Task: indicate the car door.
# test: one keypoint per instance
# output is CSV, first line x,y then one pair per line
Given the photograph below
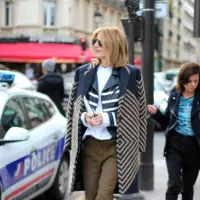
x,y
44,137
14,156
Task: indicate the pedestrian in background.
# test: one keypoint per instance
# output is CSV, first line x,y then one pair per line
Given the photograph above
x,y
3,67
106,120
52,84
182,120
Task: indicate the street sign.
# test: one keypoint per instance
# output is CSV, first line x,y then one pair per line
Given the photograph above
x,y
161,9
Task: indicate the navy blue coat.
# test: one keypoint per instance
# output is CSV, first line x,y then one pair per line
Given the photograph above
x,y
131,124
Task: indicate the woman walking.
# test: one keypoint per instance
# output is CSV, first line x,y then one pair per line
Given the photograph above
x,y
106,120
182,120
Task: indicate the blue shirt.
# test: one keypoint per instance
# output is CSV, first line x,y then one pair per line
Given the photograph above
x,y
184,116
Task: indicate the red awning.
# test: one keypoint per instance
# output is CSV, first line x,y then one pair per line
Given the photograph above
x,y
38,52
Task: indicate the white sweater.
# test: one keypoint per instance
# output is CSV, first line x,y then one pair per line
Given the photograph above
x,y
99,132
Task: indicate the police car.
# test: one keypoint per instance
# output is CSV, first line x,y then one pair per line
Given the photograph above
x,y
20,80
32,134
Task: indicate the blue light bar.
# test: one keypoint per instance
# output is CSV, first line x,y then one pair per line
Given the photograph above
x,y
7,78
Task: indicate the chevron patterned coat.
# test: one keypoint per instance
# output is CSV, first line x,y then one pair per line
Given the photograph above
x,y
131,125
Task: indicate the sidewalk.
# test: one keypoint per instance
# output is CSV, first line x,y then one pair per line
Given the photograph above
x,y
160,185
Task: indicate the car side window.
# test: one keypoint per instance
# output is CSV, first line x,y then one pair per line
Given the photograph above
x,y
48,107
13,115
44,109
35,112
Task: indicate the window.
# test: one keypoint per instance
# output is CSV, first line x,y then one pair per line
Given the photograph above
x,y
47,105
170,33
35,112
8,12
49,13
13,116
178,37
170,15
179,3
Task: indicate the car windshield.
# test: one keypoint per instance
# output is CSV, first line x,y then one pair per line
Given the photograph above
x,y
3,97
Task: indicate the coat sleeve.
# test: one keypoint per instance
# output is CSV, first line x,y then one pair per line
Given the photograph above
x,y
142,113
70,112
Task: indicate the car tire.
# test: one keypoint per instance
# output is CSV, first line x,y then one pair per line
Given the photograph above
x,y
59,187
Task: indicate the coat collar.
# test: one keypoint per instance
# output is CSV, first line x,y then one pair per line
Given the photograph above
x,y
124,79
89,76
176,98
195,105
112,81
119,76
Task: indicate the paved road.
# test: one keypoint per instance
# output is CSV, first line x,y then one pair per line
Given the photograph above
x,y
160,178
160,171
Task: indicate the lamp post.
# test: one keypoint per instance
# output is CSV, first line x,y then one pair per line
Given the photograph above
x,y
97,17
196,32
132,7
147,165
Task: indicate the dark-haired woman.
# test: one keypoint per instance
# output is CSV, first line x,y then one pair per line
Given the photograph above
x,y
182,120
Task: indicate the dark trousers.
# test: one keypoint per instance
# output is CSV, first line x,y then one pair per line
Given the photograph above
x,y
183,166
99,168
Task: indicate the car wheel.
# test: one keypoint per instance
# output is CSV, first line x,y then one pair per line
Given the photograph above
x,y
59,187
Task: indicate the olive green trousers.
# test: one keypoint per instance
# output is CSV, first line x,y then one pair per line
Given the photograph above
x,y
99,168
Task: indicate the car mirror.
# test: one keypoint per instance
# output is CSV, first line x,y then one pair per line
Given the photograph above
x,y
16,134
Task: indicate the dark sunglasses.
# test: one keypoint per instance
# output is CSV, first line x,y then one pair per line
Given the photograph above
x,y
94,42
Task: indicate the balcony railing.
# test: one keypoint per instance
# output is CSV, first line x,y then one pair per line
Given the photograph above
x,y
48,30
114,3
6,30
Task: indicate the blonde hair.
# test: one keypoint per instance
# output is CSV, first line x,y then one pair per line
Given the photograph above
x,y
114,44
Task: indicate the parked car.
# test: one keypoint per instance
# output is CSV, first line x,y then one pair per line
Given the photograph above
x,y
160,98
171,73
173,86
32,136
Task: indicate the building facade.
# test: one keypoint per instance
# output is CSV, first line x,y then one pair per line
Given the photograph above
x,y
68,20
178,42
56,21
65,19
